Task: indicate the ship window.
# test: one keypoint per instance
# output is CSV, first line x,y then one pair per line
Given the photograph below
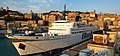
x,y
72,32
67,25
75,32
79,31
36,37
119,48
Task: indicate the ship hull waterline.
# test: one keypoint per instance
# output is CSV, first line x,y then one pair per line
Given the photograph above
x,y
43,44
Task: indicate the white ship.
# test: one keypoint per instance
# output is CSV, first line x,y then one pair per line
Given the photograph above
x,y
62,34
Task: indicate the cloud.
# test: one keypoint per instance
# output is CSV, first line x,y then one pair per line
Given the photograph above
x,y
51,1
14,2
4,3
37,1
34,8
40,1
13,7
27,5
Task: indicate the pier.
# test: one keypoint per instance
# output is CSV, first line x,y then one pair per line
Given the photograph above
x,y
71,50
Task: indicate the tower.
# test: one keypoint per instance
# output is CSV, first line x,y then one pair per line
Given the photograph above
x,y
94,11
7,8
64,13
31,12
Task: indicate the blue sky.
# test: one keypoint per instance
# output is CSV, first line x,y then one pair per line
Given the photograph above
x,y
40,6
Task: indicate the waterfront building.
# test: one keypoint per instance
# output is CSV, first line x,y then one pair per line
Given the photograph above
x,y
103,42
98,47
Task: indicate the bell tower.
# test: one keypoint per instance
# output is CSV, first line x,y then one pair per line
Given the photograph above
x,y
7,8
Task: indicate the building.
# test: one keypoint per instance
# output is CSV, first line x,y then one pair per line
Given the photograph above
x,y
45,16
115,23
98,23
1,8
71,16
108,18
2,23
109,41
103,42
118,23
55,12
21,23
117,44
100,17
31,15
99,47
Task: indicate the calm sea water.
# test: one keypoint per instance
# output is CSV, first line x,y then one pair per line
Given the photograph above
x,y
6,47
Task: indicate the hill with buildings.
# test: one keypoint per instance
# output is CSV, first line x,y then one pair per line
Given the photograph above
x,y
45,19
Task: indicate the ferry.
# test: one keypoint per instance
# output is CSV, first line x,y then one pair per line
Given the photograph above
x,y
62,34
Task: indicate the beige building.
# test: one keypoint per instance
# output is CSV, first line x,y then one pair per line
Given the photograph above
x,y
22,22
100,43
31,21
103,42
108,18
118,23
113,26
100,47
2,22
112,35
115,23
98,23
30,16
71,16
41,22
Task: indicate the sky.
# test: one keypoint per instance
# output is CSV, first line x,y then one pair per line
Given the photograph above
x,y
40,6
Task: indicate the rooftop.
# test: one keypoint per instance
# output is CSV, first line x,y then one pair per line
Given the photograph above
x,y
109,44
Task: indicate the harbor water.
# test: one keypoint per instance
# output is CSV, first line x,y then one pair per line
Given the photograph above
x,y
6,47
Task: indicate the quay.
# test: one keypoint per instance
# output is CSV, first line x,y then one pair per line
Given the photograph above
x,y
57,52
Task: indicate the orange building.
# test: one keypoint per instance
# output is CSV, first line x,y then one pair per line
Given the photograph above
x,y
30,16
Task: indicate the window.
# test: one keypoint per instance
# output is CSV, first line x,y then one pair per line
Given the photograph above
x,y
119,48
79,31
72,32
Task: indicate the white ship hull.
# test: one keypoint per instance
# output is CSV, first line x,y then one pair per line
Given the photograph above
x,y
43,44
62,34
